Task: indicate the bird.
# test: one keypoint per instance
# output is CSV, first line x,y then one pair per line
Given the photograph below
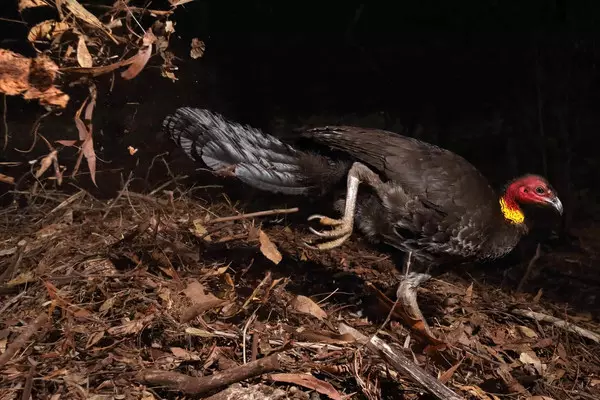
x,y
423,200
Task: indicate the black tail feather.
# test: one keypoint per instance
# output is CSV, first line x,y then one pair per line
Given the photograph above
x,y
258,159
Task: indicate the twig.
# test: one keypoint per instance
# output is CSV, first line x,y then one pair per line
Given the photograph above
x,y
402,364
70,200
26,395
18,257
121,192
254,214
22,339
5,124
530,266
561,323
197,385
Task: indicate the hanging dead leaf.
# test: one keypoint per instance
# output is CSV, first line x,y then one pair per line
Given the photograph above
x,y
310,382
142,57
169,27
47,30
66,143
132,150
305,305
85,134
7,179
175,3
31,78
268,248
197,48
23,4
84,58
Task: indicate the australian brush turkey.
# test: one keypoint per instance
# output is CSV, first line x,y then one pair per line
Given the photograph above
x,y
421,199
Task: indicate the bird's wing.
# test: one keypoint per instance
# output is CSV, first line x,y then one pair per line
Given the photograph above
x,y
443,179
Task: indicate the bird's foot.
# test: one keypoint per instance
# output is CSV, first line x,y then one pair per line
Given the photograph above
x,y
338,235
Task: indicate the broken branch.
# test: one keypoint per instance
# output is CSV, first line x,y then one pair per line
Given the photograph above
x,y
560,323
197,385
254,214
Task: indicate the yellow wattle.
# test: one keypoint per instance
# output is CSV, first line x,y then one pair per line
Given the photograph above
x,y
514,215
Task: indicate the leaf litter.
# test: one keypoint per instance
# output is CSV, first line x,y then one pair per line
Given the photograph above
x,y
126,299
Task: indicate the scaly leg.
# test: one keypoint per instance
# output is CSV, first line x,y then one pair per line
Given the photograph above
x,y
344,226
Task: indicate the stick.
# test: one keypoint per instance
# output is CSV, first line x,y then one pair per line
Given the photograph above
x,y
254,214
561,323
197,385
403,364
22,339
529,268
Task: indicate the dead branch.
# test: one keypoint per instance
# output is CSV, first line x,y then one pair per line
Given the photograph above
x,y
22,339
197,385
403,364
254,214
561,323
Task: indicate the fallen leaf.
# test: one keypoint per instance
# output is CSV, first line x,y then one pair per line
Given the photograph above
x,y
529,357
94,338
23,4
84,58
527,332
21,279
196,293
183,354
199,332
130,327
200,231
197,49
268,248
469,294
142,57
447,375
108,304
310,382
305,305
47,30
7,179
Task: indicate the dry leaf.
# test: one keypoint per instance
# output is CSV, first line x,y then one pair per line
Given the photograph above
x,y
199,332
268,248
529,357
108,304
18,78
7,179
84,58
305,305
23,4
169,27
197,49
132,150
94,338
175,3
85,134
183,354
447,375
310,382
46,163
21,279
131,327
141,58
200,231
47,30
527,332
469,294
84,15
540,398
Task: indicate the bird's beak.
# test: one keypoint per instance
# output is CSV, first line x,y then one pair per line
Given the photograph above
x,y
556,204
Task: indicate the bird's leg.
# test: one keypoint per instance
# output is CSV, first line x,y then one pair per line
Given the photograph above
x,y
406,268
344,226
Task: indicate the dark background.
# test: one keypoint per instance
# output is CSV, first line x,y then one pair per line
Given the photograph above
x,y
512,86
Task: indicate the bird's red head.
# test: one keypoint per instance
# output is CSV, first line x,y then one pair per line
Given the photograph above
x,y
528,189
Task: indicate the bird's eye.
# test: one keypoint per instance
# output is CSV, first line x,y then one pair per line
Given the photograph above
x,y
539,190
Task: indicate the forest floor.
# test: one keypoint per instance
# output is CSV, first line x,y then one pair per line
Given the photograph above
x,y
162,296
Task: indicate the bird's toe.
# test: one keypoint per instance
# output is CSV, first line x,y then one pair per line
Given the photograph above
x,y
325,220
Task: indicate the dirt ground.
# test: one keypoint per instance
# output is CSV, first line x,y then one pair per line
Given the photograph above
x,y
161,296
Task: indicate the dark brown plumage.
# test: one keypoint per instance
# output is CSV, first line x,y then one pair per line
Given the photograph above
x,y
424,199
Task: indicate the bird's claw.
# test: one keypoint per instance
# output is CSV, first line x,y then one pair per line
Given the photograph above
x,y
338,235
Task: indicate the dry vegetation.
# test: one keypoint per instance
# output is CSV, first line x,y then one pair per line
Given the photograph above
x,y
161,295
